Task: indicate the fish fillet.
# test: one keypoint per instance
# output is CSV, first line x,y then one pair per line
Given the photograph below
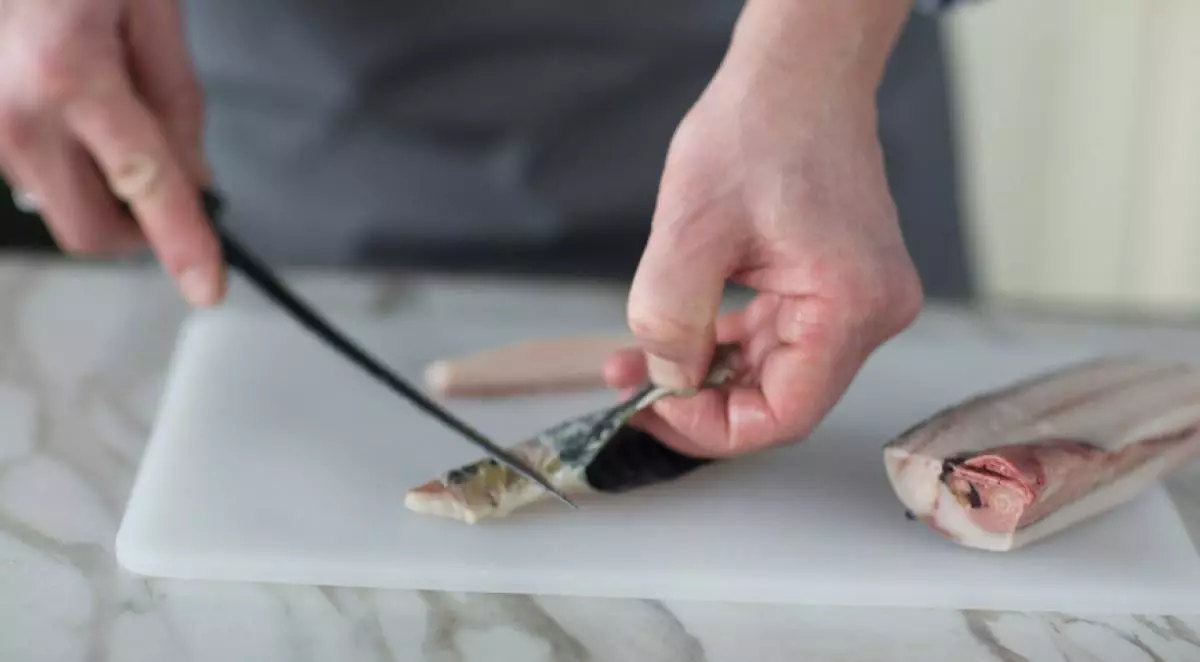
x,y
1013,466
595,452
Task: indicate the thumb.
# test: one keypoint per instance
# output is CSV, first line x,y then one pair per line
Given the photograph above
x,y
675,297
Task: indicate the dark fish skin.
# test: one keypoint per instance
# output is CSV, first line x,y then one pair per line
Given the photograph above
x,y
634,458
596,452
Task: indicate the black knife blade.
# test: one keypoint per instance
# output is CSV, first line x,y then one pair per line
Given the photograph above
x,y
239,257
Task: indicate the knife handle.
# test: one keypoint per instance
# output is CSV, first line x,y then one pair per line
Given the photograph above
x,y
533,366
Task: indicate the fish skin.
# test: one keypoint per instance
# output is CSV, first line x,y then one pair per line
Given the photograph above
x,y
1007,468
562,453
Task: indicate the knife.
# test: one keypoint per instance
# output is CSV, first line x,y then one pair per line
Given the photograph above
x,y
256,271
238,257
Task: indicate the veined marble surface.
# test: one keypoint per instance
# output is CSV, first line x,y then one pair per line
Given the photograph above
x,y
83,351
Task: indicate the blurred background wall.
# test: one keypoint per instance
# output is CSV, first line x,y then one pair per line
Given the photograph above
x,y
1079,129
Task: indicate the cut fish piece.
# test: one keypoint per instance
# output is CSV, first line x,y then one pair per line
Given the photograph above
x,y
596,452
1013,466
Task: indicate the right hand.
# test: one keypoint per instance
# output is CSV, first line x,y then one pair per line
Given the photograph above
x,y
775,179
99,103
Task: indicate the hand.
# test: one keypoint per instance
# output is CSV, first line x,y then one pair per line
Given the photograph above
x,y
775,180
98,99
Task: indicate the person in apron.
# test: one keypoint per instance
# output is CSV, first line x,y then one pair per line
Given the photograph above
x,y
505,136
673,144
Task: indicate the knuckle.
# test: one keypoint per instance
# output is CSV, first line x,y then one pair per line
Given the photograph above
x,y
856,285
52,75
883,298
666,334
907,299
54,64
135,176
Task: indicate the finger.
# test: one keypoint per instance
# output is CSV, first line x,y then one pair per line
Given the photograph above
x,y
140,168
758,348
763,307
674,425
732,326
627,367
80,214
715,423
675,297
801,377
819,354
162,71
757,336
78,209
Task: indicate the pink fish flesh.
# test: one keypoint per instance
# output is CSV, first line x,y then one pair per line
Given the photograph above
x,y
1016,465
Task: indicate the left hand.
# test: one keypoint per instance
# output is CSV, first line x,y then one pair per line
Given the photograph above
x,y
99,104
774,179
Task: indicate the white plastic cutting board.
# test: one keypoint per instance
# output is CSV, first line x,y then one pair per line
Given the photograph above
x,y
274,460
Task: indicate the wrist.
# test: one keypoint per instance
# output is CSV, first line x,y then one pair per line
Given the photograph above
x,y
842,45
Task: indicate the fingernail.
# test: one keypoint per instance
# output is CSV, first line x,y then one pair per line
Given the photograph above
x,y
666,373
198,288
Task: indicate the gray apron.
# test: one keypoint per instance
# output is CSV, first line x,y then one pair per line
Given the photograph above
x,y
502,136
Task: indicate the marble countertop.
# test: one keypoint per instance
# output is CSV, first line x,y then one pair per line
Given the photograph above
x,y
83,351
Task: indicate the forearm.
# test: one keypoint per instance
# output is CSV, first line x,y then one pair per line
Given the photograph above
x,y
818,42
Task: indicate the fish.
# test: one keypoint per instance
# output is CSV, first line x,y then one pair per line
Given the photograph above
x,y
596,452
1018,464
